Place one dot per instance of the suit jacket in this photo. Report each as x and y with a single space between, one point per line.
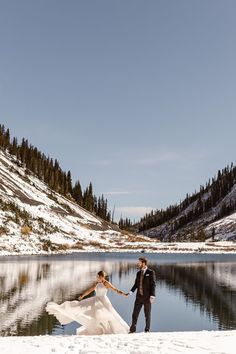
149 284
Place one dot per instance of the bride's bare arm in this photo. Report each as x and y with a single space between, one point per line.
110 286
87 292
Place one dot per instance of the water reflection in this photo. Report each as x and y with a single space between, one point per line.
208 285
200 291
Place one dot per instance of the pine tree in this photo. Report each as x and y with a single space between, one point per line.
69 183
77 193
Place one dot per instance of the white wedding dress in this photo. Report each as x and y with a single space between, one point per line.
96 314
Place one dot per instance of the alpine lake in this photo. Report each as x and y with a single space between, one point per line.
193 291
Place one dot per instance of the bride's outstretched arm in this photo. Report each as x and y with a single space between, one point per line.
110 286
87 292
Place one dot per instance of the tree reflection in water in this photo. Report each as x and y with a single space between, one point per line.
28 284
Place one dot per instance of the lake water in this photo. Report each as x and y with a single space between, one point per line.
194 291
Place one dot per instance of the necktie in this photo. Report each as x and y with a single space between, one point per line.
140 288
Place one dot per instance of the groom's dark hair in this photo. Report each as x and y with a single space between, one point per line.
143 260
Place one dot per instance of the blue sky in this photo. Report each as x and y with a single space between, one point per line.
136 96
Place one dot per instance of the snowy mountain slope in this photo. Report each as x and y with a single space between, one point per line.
35 219
223 229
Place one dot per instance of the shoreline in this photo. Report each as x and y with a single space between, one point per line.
199 342
114 251
219 247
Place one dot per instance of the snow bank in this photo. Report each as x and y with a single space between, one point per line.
204 342
219 247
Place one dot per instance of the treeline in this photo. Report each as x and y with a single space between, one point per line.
125 224
207 198
49 171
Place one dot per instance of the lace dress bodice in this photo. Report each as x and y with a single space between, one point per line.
100 289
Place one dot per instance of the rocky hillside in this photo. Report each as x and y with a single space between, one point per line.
35 219
206 225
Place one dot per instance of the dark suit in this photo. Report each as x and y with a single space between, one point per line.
148 285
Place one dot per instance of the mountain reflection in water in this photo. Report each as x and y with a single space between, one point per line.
192 293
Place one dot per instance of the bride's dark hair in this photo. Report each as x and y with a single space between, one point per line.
103 274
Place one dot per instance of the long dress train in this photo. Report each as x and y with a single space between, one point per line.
95 314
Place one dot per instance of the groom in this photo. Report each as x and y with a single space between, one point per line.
145 295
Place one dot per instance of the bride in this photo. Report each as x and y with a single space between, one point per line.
96 314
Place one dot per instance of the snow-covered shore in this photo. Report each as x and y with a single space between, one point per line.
220 247
204 342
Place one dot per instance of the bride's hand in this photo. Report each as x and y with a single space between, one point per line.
80 297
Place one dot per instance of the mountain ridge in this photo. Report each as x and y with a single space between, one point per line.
36 219
211 212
